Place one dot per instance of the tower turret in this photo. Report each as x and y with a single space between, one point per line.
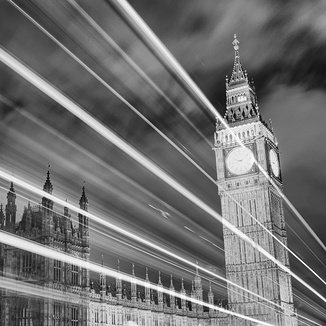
172 294
241 100
11 209
133 286
147 290
102 283
119 284
47 204
183 299
83 220
2 217
210 299
198 290
160 291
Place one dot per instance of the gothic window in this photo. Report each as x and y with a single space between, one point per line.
57 270
74 275
96 316
25 318
113 318
28 262
74 316
56 313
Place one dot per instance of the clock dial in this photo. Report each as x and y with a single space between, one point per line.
273 159
240 160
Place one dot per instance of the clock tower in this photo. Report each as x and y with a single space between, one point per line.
247 196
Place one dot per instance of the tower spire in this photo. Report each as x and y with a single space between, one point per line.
238 74
48 185
11 209
241 99
47 203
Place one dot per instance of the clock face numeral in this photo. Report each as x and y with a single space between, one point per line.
275 166
240 160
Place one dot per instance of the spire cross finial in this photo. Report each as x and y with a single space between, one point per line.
235 43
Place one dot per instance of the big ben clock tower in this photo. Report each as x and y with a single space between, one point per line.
247 196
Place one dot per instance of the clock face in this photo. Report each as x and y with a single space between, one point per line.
240 160
273 159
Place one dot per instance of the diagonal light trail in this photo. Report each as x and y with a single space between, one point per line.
101 129
42 293
119 96
133 64
22 243
152 41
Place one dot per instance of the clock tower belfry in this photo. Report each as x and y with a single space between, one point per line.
247 196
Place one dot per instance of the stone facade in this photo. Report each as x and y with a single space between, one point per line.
248 198
42 225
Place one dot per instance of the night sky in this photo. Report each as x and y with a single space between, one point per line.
282 47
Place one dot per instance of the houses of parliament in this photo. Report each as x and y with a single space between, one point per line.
249 201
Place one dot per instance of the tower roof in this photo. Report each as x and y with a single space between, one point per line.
239 75
241 99
12 187
83 199
48 185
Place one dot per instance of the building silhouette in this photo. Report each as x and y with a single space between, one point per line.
246 194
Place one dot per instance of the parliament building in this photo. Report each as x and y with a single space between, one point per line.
250 202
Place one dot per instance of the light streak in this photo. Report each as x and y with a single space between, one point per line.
126 233
73 108
45 251
121 98
133 64
273 236
189 229
164 214
29 289
188 80
163 259
163 53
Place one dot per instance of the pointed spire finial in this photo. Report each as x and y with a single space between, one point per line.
182 284
235 43
147 274
118 265
196 267
48 185
102 261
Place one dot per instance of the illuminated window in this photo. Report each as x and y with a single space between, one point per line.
57 270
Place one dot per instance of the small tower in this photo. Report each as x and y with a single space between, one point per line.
210 299
83 220
193 296
119 284
160 291
172 294
133 286
198 290
2 217
102 283
183 299
147 290
47 204
11 209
